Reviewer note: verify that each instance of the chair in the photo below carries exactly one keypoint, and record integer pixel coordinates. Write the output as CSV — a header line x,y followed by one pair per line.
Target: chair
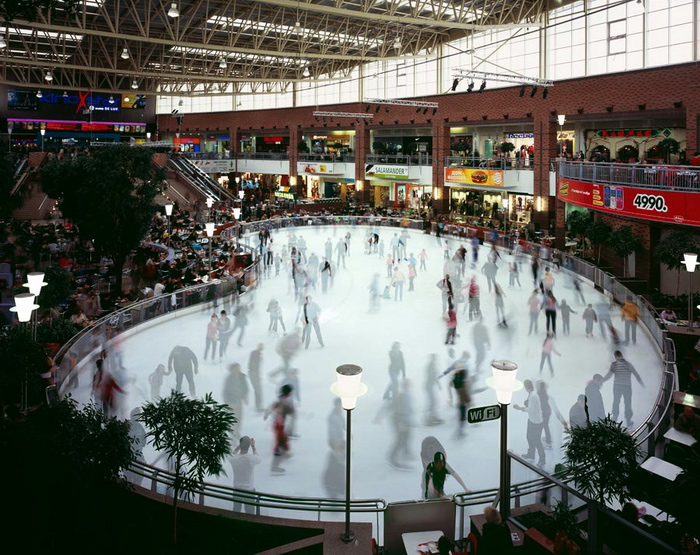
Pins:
x,y
471,545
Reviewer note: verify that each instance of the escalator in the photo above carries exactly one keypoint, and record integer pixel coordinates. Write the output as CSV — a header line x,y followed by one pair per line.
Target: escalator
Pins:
x,y
195,177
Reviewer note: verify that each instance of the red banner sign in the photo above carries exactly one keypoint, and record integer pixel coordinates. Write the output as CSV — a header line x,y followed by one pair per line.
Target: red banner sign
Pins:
x,y
673,206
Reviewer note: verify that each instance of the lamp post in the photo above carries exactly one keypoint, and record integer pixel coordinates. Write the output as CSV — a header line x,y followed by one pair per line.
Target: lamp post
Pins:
x,y
43,132
24,307
35,281
210,203
348,387
211,228
562,119
168,213
690,259
503,380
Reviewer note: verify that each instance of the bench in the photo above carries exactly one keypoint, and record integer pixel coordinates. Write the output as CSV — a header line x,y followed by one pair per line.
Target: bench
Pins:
x,y
662,468
686,399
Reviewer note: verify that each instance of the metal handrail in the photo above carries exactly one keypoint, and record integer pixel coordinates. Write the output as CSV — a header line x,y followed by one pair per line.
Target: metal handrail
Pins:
x,y
647,176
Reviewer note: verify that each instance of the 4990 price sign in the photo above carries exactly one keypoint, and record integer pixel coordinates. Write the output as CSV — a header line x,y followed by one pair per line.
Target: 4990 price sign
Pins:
x,y
655,203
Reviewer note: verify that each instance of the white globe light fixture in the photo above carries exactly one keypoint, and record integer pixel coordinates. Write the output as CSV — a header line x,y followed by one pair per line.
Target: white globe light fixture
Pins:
x,y
24,306
211,228
690,259
35,281
169,209
561,118
210,202
237,213
173,11
503,380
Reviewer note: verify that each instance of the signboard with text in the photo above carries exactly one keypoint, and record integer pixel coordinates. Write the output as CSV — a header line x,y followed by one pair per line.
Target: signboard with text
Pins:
x,y
215,166
385,171
483,414
315,168
473,176
673,206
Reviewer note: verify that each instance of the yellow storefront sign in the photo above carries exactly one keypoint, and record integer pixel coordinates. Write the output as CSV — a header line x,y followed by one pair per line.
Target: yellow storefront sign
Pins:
x,y
473,176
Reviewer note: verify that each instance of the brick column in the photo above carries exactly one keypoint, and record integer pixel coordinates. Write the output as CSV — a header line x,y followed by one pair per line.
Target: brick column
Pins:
x,y
692,115
362,148
545,149
294,138
441,149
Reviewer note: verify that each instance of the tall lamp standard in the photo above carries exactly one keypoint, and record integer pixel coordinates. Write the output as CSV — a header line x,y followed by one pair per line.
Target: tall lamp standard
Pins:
x,y
24,307
503,380
348,387
43,132
561,118
690,259
211,228
168,213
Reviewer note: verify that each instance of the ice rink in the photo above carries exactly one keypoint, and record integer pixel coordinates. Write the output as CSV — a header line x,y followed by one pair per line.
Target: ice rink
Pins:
x,y
355,334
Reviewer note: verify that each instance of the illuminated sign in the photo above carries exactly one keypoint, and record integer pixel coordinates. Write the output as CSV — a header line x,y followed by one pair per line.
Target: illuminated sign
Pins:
x,y
469,176
383,171
640,132
315,168
83,101
520,135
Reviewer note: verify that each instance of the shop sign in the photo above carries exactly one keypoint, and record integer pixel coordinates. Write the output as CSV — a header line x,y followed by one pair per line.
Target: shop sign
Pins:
x,y
639,132
673,206
315,168
214,166
520,135
473,176
383,171
288,196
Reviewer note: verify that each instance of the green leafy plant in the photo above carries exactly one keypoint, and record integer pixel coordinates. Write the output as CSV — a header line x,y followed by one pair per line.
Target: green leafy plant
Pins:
x,y
667,147
627,152
507,147
58,331
302,146
671,247
194,433
23,360
578,222
57,289
8,202
379,147
602,459
623,243
598,232
565,520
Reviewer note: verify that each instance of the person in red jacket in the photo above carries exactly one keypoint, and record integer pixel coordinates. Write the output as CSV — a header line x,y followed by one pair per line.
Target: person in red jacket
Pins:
x,y
451,320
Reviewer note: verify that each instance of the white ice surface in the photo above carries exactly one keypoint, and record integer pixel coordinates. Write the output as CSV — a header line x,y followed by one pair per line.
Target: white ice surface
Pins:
x,y
354,335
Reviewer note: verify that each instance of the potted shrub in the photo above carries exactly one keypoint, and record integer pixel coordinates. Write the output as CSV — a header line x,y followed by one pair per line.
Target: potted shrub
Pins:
x,y
623,243
670,250
667,147
598,232
379,147
568,533
627,153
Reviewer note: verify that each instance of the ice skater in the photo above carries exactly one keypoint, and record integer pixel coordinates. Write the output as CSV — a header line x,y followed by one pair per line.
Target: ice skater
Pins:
x,y
550,305
397,281
430,447
255,375
423,256
311,314
533,303
548,348
211,337
223,327
566,312
451,322
590,317
402,411
489,269
431,384
184,363
240,315
482,343
499,295
274,309
397,369
280,410
533,408
235,395
623,371
513,275
326,272
549,407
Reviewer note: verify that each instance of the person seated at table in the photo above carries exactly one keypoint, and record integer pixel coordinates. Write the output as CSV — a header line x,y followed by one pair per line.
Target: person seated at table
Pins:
x,y
495,534
444,545
688,422
668,315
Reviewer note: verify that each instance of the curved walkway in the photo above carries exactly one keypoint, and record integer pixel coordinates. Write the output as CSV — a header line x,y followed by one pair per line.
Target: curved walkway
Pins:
x,y
354,334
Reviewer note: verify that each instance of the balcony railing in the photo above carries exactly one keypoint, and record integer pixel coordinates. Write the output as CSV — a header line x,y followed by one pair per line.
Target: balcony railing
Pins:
x,y
418,159
633,175
314,157
225,155
261,155
491,163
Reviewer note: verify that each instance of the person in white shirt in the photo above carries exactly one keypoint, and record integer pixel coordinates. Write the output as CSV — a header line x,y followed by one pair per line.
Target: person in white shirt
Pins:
x,y
243,463
535,423
311,312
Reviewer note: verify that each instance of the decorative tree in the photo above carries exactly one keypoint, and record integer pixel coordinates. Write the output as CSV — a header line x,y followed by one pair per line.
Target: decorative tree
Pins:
x,y
578,223
598,232
670,249
8,201
23,360
667,147
623,243
57,289
194,433
109,196
627,152
507,147
602,458
302,146
379,147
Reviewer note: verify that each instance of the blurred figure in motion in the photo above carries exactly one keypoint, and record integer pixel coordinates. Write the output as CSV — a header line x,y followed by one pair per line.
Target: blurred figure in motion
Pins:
x,y
402,419
184,362
155,380
235,395
334,473
431,384
430,447
255,376
280,410
243,463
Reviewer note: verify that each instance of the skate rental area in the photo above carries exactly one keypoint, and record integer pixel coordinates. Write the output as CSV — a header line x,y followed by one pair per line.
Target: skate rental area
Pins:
x,y
359,316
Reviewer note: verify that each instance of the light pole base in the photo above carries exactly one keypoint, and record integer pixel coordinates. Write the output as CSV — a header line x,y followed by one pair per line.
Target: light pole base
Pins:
x,y
348,536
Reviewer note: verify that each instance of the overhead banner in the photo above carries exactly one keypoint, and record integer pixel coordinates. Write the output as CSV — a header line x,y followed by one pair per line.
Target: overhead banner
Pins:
x,y
215,166
315,168
384,171
473,176
672,206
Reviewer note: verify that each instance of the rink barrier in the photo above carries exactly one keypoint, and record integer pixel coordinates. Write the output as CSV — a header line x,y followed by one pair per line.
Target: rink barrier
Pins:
x,y
89,341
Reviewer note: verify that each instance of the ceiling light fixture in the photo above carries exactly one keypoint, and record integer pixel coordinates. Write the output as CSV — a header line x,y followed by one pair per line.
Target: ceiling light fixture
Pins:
x,y
38,94
533,92
376,110
297,24
3,44
367,108
173,11
455,84
397,43
482,87
434,111
545,92
522,91
134,84
125,54
418,110
111,99
470,87
65,94
222,63
425,111
306,73
48,76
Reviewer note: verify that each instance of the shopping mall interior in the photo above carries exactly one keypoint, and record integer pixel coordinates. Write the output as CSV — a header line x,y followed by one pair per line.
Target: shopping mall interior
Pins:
x,y
436,258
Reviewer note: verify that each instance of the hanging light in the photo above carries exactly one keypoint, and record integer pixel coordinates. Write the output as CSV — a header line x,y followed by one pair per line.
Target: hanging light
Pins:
x,y
38,94
297,24
533,92
126,98
397,43
222,63
65,94
482,87
173,11
111,99
3,44
306,73
470,87
522,91
48,76
455,84
545,92
125,54
134,84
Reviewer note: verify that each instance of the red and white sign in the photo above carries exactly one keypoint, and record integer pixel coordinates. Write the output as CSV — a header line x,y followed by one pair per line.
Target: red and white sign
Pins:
x,y
671,206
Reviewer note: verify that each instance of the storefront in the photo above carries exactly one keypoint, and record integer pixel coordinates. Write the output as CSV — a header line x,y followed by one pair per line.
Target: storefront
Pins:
x,y
331,143
187,144
388,183
631,144
322,179
412,196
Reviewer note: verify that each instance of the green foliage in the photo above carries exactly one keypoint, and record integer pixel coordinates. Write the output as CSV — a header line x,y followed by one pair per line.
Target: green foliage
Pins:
x,y
302,146
623,242
507,147
109,196
628,151
578,222
671,247
379,147
57,289
21,356
58,331
667,147
194,433
565,520
8,202
598,232
29,9
602,458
